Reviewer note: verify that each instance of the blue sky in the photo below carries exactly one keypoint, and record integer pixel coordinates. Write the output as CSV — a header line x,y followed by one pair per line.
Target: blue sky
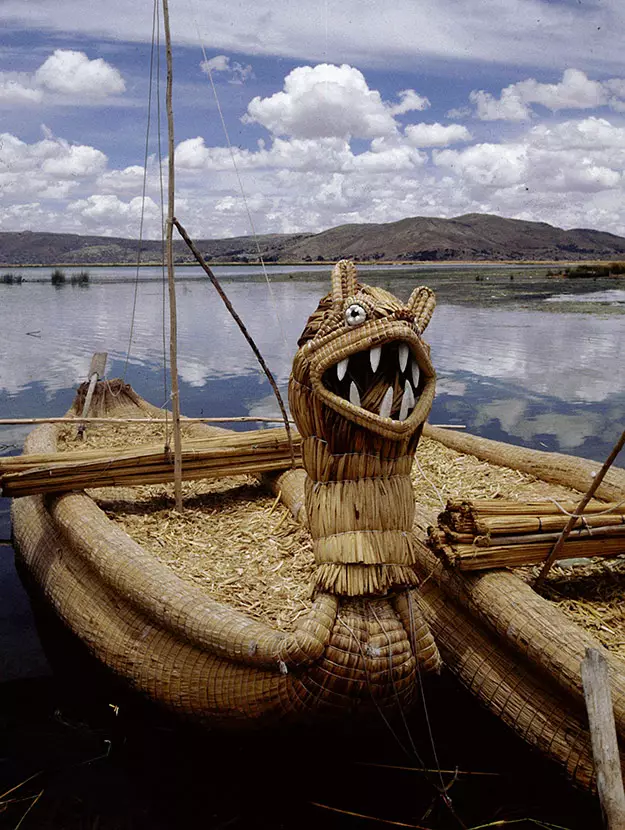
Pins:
x,y
359,111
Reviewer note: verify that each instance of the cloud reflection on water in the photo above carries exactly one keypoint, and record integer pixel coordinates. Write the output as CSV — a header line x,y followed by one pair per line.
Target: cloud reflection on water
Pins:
x,y
494,362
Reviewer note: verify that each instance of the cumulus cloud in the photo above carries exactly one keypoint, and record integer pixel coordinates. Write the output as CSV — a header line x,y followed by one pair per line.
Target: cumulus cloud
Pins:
x,y
323,101
66,74
409,101
16,88
487,165
48,171
508,107
574,91
436,135
305,176
73,73
236,72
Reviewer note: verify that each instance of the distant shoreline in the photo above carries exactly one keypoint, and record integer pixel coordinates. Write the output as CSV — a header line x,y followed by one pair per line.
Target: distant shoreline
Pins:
x,y
558,263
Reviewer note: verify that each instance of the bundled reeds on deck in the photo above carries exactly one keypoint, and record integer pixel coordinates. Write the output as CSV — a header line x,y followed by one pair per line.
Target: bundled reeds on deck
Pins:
x,y
255,451
495,533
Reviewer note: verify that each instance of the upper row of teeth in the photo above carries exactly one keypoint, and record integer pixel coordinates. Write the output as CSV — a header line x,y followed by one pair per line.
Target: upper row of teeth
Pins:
x,y
375,354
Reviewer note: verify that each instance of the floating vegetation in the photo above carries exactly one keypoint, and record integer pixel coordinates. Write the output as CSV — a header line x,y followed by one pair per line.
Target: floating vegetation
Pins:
x,y
81,278
11,279
57,277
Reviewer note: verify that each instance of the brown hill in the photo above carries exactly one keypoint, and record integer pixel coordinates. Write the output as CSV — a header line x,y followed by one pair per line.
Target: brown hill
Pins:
x,y
473,236
33,248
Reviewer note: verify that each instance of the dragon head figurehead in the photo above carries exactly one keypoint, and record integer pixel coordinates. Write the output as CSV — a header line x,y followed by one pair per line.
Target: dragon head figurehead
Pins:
x,y
362,358
361,388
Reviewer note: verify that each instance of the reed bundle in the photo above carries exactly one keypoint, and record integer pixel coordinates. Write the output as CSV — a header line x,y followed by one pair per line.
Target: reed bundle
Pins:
x,y
249,452
495,534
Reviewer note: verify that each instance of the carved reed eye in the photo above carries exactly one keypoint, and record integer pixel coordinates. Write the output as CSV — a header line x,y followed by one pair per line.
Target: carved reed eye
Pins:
x,y
355,315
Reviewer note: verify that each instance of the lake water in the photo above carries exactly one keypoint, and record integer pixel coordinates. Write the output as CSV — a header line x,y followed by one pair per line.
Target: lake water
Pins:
x,y
521,357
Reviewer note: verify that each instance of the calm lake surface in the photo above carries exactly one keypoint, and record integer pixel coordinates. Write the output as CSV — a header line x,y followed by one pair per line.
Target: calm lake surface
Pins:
x,y
522,357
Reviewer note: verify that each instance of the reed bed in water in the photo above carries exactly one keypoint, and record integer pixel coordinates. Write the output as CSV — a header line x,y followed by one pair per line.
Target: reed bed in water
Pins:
x,y
245,549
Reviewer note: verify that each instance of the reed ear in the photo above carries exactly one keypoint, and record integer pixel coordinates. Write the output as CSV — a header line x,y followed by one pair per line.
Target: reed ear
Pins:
x,y
421,304
344,278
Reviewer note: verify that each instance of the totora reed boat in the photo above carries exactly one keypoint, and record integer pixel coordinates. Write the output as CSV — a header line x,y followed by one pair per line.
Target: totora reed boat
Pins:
x,y
383,605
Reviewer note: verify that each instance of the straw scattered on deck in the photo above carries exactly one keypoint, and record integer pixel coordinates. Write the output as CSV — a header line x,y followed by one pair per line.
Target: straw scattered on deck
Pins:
x,y
245,549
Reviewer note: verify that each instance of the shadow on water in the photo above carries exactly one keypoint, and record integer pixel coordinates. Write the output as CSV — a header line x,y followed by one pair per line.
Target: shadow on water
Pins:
x,y
102,758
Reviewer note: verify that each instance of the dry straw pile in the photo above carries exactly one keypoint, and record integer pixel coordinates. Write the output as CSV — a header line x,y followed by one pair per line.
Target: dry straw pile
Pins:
x,y
244,548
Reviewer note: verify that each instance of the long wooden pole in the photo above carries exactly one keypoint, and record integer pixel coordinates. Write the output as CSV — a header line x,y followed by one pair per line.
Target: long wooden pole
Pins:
x,y
596,683
173,323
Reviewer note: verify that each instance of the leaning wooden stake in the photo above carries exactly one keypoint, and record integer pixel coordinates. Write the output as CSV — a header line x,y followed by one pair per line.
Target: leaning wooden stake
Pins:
x,y
169,247
580,509
207,270
603,737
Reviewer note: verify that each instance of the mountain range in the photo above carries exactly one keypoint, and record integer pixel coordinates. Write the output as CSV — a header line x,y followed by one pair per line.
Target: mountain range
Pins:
x,y
473,236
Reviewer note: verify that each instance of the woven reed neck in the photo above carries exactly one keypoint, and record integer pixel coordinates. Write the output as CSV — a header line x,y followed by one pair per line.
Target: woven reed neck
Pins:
x,y
360,507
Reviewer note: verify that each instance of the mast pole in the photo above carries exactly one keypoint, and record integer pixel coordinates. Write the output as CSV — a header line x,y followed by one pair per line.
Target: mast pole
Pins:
x,y
173,326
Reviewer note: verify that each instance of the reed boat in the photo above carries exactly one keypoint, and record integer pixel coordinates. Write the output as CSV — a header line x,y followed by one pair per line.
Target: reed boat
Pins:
x,y
384,609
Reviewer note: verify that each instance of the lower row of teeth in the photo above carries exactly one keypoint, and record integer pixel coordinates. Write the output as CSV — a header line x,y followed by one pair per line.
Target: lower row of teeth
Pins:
x,y
407,401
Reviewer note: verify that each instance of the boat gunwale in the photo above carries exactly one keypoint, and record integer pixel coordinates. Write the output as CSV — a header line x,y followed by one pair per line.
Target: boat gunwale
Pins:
x,y
180,606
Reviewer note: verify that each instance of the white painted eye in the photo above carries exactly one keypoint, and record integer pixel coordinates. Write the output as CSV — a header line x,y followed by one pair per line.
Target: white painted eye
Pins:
x,y
355,315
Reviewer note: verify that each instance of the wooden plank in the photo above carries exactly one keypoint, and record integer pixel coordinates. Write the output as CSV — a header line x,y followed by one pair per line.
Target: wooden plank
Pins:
x,y
98,364
596,683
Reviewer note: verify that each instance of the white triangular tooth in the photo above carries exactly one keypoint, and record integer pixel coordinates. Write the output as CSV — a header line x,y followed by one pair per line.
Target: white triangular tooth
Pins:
x,y
408,393
374,357
405,404
403,356
341,368
415,373
354,397
387,403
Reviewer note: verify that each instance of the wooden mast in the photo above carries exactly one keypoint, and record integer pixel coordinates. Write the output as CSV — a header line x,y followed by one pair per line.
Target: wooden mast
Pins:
x,y
173,325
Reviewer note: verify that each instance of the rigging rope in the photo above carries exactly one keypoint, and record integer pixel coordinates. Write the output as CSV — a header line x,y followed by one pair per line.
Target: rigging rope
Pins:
x,y
143,192
240,181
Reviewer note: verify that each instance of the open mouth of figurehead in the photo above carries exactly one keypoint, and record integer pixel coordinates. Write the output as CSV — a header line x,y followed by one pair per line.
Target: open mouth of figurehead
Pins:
x,y
385,380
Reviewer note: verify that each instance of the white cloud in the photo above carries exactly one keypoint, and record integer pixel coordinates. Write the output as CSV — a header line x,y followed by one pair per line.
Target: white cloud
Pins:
x,y
574,91
16,89
75,160
67,75
129,180
436,135
323,101
508,107
237,73
487,165
114,214
69,72
409,101
50,169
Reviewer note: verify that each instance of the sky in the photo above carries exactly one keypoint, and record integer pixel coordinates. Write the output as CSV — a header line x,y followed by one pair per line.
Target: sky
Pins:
x,y
325,113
